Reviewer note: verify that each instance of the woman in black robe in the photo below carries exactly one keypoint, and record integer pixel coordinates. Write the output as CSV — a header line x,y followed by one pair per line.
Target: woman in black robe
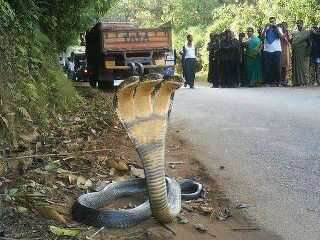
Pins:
x,y
229,61
213,49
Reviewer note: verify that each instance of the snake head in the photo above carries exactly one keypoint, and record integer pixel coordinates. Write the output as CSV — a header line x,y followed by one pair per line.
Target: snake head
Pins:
x,y
143,103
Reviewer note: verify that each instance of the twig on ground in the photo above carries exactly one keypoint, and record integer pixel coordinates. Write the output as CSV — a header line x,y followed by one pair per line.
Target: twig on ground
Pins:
x,y
57,154
166,226
9,238
176,163
68,158
246,229
95,234
212,235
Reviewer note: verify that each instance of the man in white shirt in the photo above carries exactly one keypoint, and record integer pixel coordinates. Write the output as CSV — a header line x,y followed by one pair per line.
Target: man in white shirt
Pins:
x,y
189,62
272,53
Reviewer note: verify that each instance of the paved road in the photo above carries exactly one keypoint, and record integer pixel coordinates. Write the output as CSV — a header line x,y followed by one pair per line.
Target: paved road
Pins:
x,y
268,139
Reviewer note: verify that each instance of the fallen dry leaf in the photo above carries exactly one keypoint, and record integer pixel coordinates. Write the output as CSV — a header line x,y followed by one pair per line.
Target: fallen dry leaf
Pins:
x,y
118,165
51,213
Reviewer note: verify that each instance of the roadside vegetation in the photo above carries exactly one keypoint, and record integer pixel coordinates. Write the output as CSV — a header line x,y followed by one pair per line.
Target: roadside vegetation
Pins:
x,y
32,86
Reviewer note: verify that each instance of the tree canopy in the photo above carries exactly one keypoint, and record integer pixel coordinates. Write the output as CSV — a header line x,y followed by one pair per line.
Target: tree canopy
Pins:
x,y
202,17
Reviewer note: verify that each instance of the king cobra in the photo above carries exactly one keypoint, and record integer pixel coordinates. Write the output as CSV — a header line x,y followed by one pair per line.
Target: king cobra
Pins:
x,y
143,105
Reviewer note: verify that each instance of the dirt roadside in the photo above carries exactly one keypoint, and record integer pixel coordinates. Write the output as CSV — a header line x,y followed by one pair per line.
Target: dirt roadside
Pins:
x,y
38,195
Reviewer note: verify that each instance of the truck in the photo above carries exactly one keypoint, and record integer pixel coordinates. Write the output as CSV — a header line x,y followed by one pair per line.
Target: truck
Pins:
x,y
118,50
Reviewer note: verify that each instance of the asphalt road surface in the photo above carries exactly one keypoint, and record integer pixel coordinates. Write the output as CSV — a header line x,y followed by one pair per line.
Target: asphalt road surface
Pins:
x,y
268,140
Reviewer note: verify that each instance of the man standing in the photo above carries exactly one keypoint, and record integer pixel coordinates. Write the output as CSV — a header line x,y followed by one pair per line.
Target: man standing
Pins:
x,y
272,53
189,57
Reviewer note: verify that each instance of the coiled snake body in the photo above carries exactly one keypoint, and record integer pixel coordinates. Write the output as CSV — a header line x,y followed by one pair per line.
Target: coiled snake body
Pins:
x,y
142,105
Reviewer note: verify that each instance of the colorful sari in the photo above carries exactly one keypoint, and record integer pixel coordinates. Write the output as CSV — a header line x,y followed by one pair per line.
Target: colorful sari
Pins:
x,y
253,61
285,58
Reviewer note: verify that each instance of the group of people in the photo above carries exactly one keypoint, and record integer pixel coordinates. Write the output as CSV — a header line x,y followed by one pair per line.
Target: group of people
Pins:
x,y
262,58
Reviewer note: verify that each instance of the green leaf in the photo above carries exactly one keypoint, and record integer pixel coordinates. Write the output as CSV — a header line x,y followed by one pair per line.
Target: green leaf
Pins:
x,y
182,220
12,192
70,232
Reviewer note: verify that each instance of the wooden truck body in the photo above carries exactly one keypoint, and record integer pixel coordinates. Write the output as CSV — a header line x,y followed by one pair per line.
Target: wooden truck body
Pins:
x,y
116,51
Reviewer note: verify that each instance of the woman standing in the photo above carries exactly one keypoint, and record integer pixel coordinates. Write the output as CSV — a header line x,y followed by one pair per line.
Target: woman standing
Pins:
x,y
213,49
315,56
229,60
285,45
243,78
300,55
253,59
189,57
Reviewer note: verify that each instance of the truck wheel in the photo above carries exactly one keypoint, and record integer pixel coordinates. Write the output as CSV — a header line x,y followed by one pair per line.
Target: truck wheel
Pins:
x,y
105,85
92,83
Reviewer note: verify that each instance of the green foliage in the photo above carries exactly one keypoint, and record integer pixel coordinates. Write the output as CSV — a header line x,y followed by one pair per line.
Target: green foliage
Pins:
x,y
202,17
32,33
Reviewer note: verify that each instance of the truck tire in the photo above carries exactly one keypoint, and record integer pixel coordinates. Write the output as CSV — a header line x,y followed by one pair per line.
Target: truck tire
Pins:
x,y
93,82
105,85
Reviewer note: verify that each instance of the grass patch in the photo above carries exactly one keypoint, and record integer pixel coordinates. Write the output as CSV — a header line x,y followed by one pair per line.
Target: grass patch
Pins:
x,y
202,78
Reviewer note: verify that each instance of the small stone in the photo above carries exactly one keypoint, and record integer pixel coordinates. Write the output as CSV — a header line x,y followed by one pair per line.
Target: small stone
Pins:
x,y
173,166
22,210
221,167
201,228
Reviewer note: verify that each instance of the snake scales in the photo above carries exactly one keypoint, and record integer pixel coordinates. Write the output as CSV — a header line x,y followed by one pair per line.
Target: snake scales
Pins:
x,y
143,106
